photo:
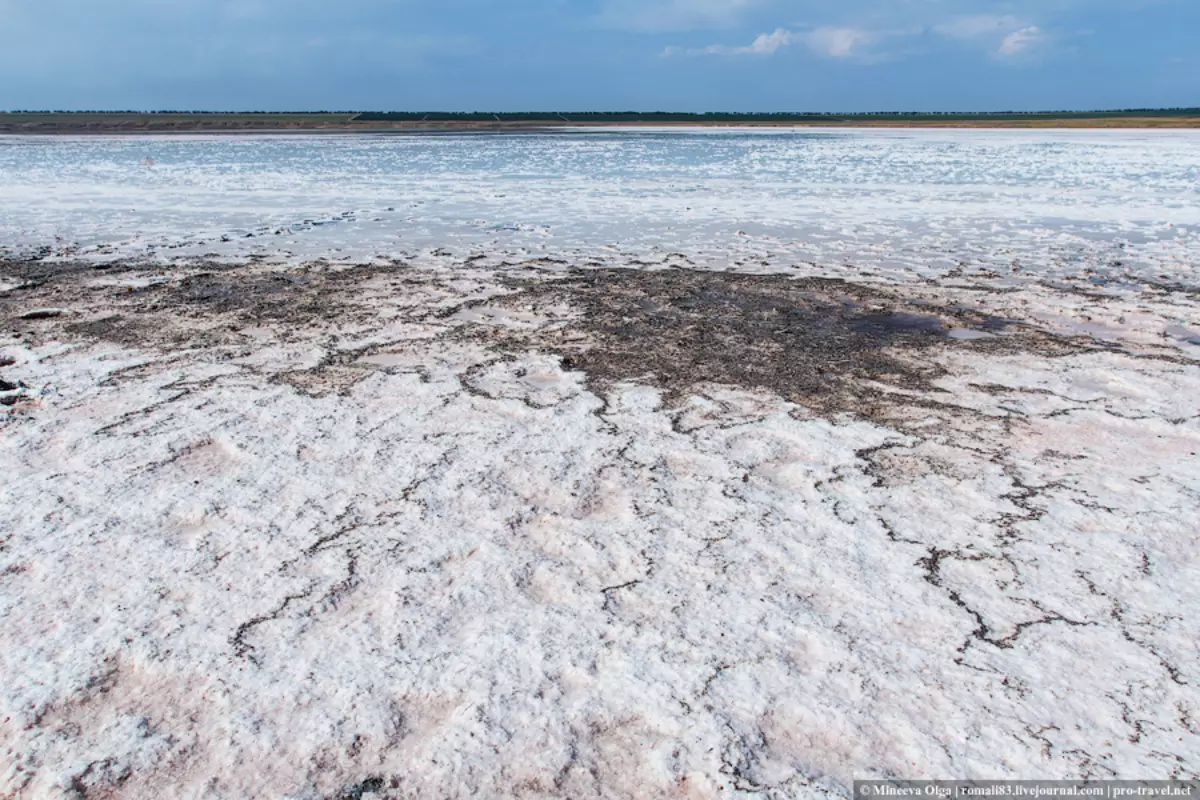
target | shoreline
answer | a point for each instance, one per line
(83, 124)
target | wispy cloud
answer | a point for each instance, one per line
(827, 42)
(763, 45)
(840, 42)
(1005, 36)
(1022, 41)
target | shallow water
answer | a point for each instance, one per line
(1102, 204)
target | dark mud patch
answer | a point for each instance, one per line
(831, 345)
(43, 313)
(200, 309)
(828, 344)
(121, 329)
(272, 297)
(323, 380)
(32, 272)
(289, 298)
(371, 786)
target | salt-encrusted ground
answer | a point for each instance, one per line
(459, 526)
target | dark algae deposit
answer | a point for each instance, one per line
(826, 343)
(831, 345)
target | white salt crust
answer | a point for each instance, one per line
(468, 573)
(443, 570)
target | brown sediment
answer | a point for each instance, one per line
(832, 345)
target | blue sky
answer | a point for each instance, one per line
(689, 55)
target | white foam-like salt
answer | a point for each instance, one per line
(1112, 203)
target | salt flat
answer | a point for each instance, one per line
(596, 499)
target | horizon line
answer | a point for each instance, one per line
(627, 112)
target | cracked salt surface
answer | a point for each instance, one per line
(450, 525)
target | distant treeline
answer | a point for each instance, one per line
(181, 112)
(718, 116)
(665, 116)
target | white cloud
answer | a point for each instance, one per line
(767, 43)
(764, 45)
(1005, 36)
(828, 42)
(1021, 41)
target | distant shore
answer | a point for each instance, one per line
(117, 123)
